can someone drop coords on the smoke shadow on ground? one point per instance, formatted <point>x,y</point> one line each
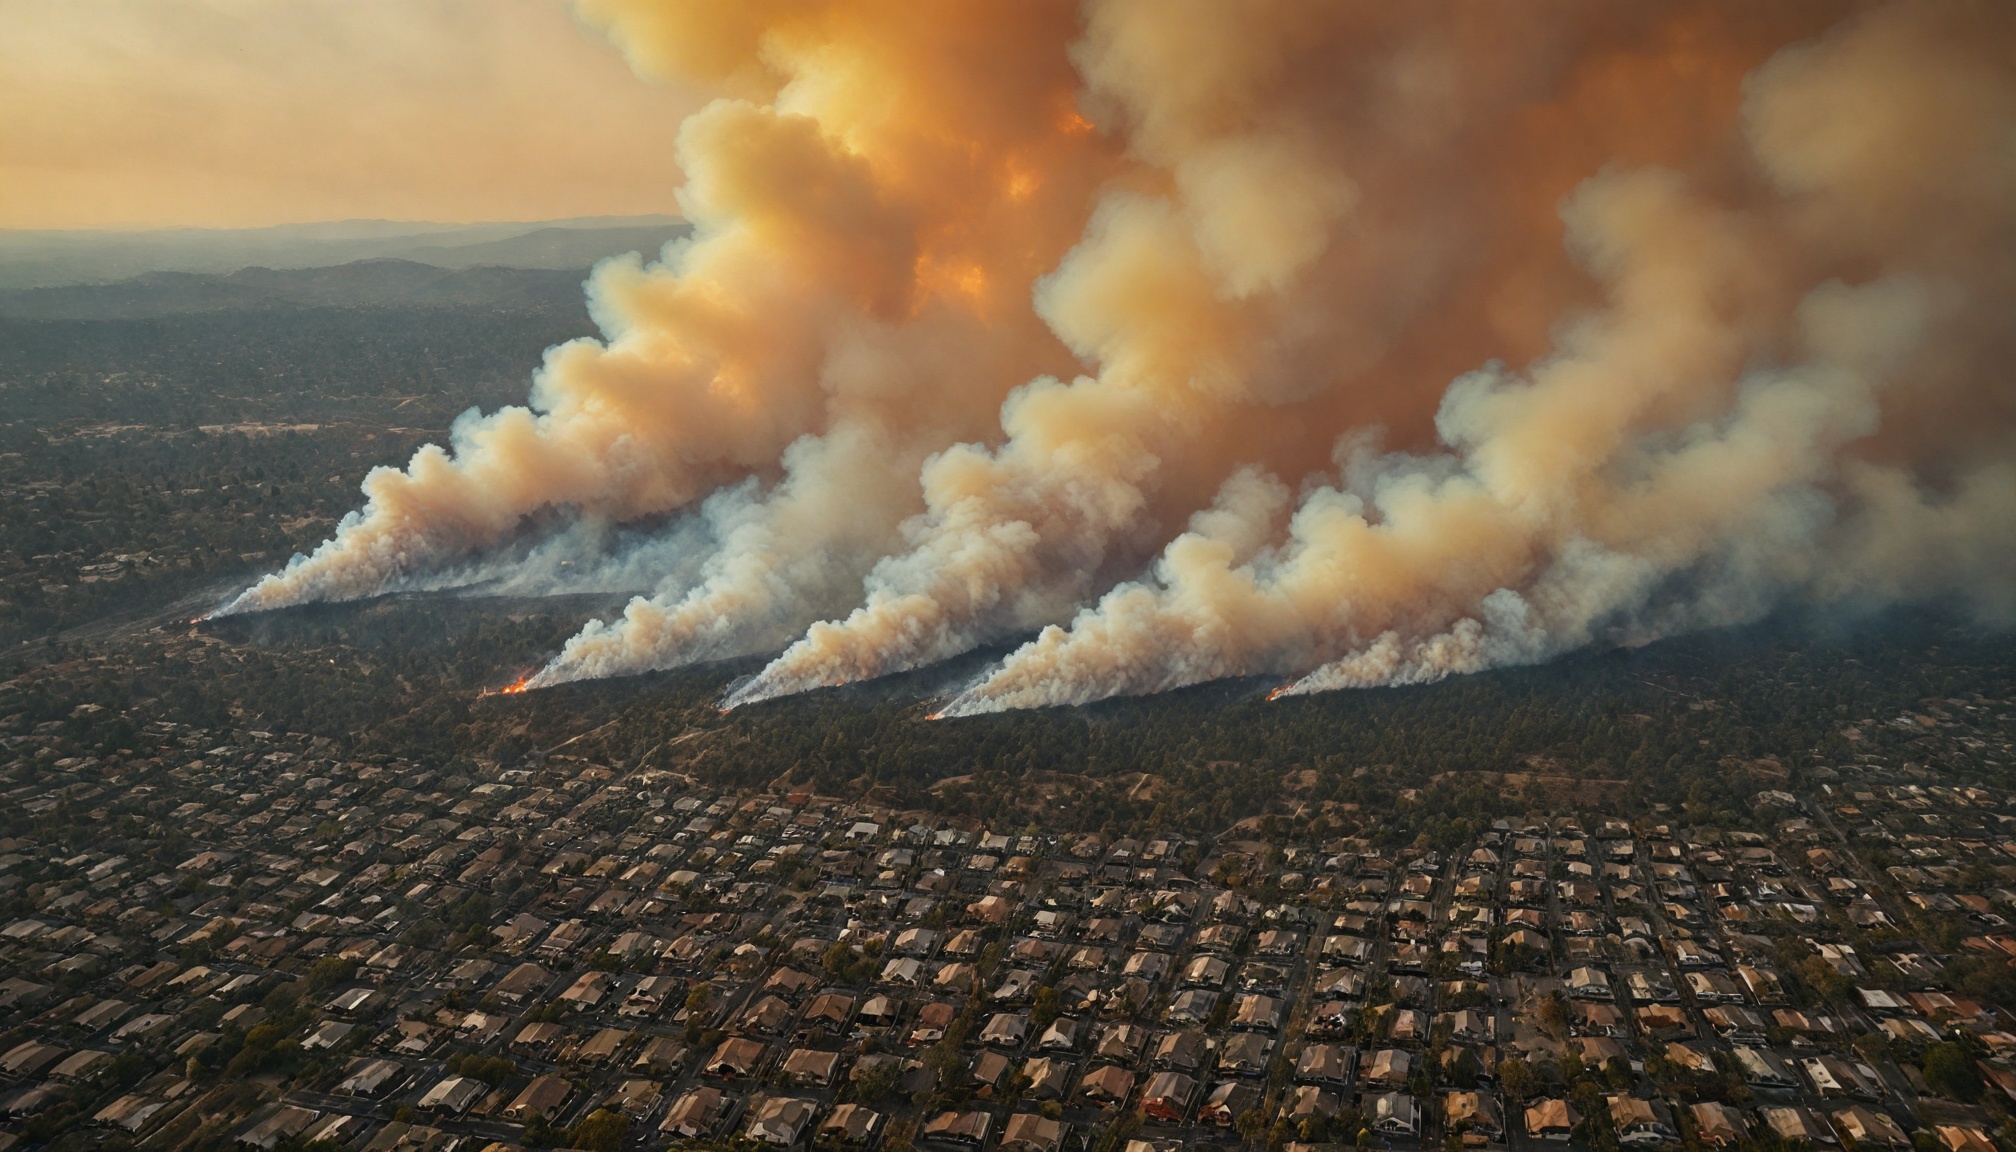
<point>409,620</point>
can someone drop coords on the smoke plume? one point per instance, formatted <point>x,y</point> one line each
<point>1355,344</point>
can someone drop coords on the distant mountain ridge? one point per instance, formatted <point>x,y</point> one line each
<point>358,284</point>
<point>56,259</point>
<point>558,248</point>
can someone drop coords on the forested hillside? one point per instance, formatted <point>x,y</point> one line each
<point>147,459</point>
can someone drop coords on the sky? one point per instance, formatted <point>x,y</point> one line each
<point>245,113</point>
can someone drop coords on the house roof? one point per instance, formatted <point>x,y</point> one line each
<point>1552,1114</point>
<point>1033,1132</point>
<point>780,1119</point>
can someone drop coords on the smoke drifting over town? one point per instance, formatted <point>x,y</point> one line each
<point>1356,344</point>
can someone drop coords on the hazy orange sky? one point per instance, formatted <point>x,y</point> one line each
<point>232,113</point>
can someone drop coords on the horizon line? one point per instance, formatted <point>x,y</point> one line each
<point>132,230</point>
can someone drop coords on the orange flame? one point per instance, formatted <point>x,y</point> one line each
<point>1277,693</point>
<point>1022,181</point>
<point>1070,123</point>
<point>511,689</point>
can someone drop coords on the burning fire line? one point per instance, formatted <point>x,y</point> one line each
<point>512,689</point>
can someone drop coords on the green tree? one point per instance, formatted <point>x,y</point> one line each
<point>1044,1008</point>
<point>1515,1076</point>
<point>1949,1069</point>
<point>605,1130</point>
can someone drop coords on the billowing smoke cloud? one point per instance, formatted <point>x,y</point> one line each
<point>865,237</point>
<point>1356,344</point>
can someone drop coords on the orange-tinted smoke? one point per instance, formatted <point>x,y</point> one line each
<point>868,227</point>
<point>1355,343</point>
